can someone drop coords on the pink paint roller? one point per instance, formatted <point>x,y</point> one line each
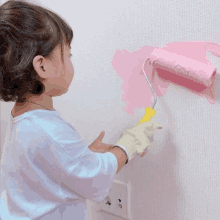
<point>181,70</point>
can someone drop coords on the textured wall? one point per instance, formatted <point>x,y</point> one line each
<point>178,178</point>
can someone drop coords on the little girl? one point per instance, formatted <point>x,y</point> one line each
<point>47,170</point>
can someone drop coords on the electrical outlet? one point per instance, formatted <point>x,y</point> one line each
<point>117,202</point>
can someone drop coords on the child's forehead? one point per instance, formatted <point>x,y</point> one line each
<point>67,47</point>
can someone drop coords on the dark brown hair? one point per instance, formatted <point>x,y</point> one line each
<point>27,30</point>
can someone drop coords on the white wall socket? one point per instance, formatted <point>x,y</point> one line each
<point>117,202</point>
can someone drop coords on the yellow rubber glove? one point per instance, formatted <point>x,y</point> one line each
<point>137,139</point>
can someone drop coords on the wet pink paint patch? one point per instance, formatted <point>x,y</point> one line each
<point>137,93</point>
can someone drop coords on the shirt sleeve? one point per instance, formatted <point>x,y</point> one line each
<point>68,160</point>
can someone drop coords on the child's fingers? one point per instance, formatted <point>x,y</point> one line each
<point>144,153</point>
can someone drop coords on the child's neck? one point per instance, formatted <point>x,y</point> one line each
<point>20,108</point>
<point>34,102</point>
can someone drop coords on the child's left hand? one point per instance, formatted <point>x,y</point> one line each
<point>98,146</point>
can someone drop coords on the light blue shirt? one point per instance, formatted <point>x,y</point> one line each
<point>48,171</point>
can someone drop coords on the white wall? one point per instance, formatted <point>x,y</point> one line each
<point>5,109</point>
<point>165,185</point>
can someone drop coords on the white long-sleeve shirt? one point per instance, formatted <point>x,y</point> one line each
<point>47,170</point>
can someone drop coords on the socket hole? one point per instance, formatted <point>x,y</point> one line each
<point>107,200</point>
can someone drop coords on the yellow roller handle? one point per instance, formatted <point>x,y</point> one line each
<point>149,113</point>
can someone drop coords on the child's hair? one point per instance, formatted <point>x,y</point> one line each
<point>27,30</point>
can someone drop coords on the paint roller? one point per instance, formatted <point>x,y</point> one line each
<point>180,70</point>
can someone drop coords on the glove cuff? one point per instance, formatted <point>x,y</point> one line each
<point>124,149</point>
<point>127,143</point>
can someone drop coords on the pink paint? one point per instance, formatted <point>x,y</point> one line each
<point>137,92</point>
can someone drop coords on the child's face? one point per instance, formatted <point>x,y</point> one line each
<point>56,76</point>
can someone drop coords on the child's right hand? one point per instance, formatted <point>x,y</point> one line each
<point>138,138</point>
<point>142,153</point>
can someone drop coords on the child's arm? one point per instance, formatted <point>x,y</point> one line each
<point>120,155</point>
